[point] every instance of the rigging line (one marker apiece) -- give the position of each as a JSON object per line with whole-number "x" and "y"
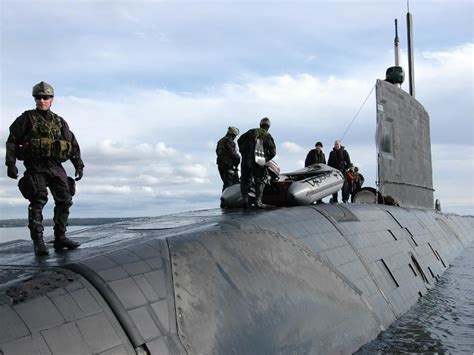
{"x": 360, "y": 109}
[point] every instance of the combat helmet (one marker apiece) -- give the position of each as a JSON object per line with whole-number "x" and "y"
{"x": 233, "y": 130}
{"x": 265, "y": 122}
{"x": 43, "y": 88}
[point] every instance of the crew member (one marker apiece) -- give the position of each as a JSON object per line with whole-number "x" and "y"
{"x": 43, "y": 141}
{"x": 228, "y": 159}
{"x": 257, "y": 147}
{"x": 357, "y": 182}
{"x": 339, "y": 159}
{"x": 315, "y": 156}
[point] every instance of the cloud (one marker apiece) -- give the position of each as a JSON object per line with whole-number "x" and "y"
{"x": 448, "y": 72}
{"x": 105, "y": 189}
{"x": 149, "y": 180}
{"x": 195, "y": 171}
{"x": 148, "y": 92}
{"x": 288, "y": 100}
{"x": 292, "y": 148}
{"x": 108, "y": 150}
{"x": 14, "y": 202}
{"x": 301, "y": 106}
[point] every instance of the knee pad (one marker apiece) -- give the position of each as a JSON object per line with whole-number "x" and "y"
{"x": 28, "y": 187}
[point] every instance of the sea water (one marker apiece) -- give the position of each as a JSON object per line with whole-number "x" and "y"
{"x": 442, "y": 321}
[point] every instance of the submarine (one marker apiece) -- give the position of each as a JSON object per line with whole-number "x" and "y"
{"x": 315, "y": 279}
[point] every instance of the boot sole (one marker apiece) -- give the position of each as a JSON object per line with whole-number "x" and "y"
{"x": 65, "y": 249}
{"x": 42, "y": 254}
{"x": 62, "y": 247}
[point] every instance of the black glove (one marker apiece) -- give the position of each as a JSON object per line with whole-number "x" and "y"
{"x": 12, "y": 171}
{"x": 79, "y": 173}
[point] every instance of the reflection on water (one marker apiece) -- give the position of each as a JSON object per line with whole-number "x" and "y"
{"x": 443, "y": 320}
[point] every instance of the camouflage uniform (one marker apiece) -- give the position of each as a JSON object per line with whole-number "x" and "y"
{"x": 228, "y": 159}
{"x": 43, "y": 141}
{"x": 357, "y": 182}
{"x": 251, "y": 171}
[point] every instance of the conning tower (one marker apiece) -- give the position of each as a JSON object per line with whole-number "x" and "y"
{"x": 403, "y": 137}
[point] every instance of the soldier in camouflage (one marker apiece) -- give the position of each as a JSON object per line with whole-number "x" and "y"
{"x": 251, "y": 170}
{"x": 43, "y": 141}
{"x": 228, "y": 159}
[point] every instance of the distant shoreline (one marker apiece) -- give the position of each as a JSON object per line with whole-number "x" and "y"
{"x": 9, "y": 223}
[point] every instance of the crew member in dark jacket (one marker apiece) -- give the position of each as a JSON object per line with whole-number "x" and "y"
{"x": 251, "y": 153}
{"x": 228, "y": 159}
{"x": 43, "y": 141}
{"x": 315, "y": 156}
{"x": 339, "y": 159}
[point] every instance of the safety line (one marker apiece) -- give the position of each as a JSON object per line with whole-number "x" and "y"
{"x": 360, "y": 109}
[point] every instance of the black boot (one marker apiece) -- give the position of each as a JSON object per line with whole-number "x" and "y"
{"x": 245, "y": 201}
{"x": 35, "y": 225}
{"x": 260, "y": 204}
{"x": 61, "y": 242}
{"x": 39, "y": 246}
{"x": 259, "y": 195}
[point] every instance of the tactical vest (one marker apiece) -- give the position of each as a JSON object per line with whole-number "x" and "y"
{"x": 220, "y": 151}
{"x": 225, "y": 156}
{"x": 45, "y": 139}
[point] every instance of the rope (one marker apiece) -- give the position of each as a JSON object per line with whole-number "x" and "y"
{"x": 360, "y": 109}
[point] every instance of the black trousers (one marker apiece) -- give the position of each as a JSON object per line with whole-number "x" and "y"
{"x": 344, "y": 191}
{"x": 228, "y": 175}
{"x": 251, "y": 172}
{"x": 34, "y": 188}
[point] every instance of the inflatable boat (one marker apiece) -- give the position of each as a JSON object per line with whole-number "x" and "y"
{"x": 301, "y": 187}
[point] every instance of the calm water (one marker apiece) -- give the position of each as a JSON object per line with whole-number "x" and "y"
{"x": 443, "y": 320}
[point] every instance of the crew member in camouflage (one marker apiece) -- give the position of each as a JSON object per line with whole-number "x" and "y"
{"x": 228, "y": 159}
{"x": 43, "y": 141}
{"x": 251, "y": 171}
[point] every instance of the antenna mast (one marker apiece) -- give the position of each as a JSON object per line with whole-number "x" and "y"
{"x": 396, "y": 45}
{"x": 411, "y": 66}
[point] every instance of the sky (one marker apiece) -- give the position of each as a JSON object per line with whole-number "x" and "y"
{"x": 149, "y": 87}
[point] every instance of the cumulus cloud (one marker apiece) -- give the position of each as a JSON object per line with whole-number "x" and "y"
{"x": 107, "y": 150}
{"x": 195, "y": 171}
{"x": 453, "y": 63}
{"x": 105, "y": 189}
{"x": 14, "y": 202}
{"x": 292, "y": 148}
{"x": 149, "y": 99}
{"x": 178, "y": 119}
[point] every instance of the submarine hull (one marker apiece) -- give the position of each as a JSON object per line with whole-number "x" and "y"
{"x": 315, "y": 279}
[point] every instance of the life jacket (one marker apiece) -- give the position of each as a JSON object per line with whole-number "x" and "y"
{"x": 45, "y": 139}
